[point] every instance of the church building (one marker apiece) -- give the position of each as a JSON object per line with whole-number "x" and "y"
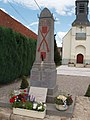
{"x": 76, "y": 43}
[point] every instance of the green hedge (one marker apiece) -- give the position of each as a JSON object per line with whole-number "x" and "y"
{"x": 17, "y": 54}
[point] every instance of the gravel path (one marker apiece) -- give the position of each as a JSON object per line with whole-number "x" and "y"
{"x": 6, "y": 90}
{"x": 73, "y": 80}
{"x": 76, "y": 85}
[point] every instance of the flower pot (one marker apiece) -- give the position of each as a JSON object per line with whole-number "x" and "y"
{"x": 61, "y": 107}
{"x": 29, "y": 113}
{"x": 71, "y": 65}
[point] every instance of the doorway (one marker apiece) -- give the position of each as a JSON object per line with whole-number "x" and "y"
{"x": 80, "y": 58}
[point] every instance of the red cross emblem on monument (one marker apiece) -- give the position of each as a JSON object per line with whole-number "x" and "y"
{"x": 44, "y": 31}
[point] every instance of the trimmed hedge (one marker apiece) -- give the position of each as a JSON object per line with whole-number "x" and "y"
{"x": 17, "y": 54}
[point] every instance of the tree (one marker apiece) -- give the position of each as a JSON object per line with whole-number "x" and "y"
{"x": 56, "y": 53}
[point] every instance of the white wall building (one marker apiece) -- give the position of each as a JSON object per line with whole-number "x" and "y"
{"x": 76, "y": 43}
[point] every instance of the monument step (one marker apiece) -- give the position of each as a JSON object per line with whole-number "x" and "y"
{"x": 50, "y": 98}
{"x": 51, "y": 110}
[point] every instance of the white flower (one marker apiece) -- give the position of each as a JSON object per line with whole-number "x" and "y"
{"x": 34, "y": 105}
{"x": 16, "y": 92}
{"x": 40, "y": 103}
{"x": 40, "y": 107}
{"x": 62, "y": 97}
{"x": 44, "y": 105}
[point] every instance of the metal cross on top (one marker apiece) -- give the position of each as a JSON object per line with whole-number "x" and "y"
{"x": 44, "y": 31}
{"x": 81, "y": 28}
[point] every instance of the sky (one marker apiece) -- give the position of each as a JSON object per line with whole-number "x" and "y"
{"x": 28, "y": 11}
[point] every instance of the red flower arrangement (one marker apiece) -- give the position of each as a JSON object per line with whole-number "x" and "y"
{"x": 22, "y": 99}
{"x": 12, "y": 100}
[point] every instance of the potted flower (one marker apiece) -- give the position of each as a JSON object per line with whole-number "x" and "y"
{"x": 62, "y": 102}
{"x": 71, "y": 64}
{"x": 24, "y": 104}
{"x": 87, "y": 65}
{"x": 24, "y": 86}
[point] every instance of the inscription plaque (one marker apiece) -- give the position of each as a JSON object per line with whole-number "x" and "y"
{"x": 39, "y": 93}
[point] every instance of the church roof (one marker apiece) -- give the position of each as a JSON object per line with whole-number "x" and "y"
{"x": 83, "y": 0}
{"x": 81, "y": 13}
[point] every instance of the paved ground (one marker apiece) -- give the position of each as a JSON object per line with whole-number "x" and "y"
{"x": 73, "y": 71}
{"x": 76, "y": 85}
{"x": 73, "y": 80}
{"x": 69, "y": 80}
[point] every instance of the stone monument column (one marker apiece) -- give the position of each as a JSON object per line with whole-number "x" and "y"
{"x": 43, "y": 73}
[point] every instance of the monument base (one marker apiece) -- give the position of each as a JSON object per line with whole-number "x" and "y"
{"x": 52, "y": 93}
{"x": 44, "y": 75}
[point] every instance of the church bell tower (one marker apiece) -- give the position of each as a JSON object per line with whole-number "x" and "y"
{"x": 81, "y": 13}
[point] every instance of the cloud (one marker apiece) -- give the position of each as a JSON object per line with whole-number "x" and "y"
{"x": 59, "y": 37}
{"x": 27, "y": 3}
{"x": 57, "y": 20}
{"x": 5, "y": 1}
{"x": 61, "y": 7}
{"x": 33, "y": 27}
{"x": 34, "y": 23}
{"x": 34, "y": 30}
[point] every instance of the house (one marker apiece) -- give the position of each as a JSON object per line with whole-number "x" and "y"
{"x": 9, "y": 22}
{"x": 76, "y": 43}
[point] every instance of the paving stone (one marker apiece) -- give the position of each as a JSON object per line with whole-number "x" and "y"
{"x": 82, "y": 108}
{"x": 5, "y": 114}
{"x": 18, "y": 117}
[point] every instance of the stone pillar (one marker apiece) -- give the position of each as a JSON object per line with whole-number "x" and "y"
{"x": 43, "y": 73}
